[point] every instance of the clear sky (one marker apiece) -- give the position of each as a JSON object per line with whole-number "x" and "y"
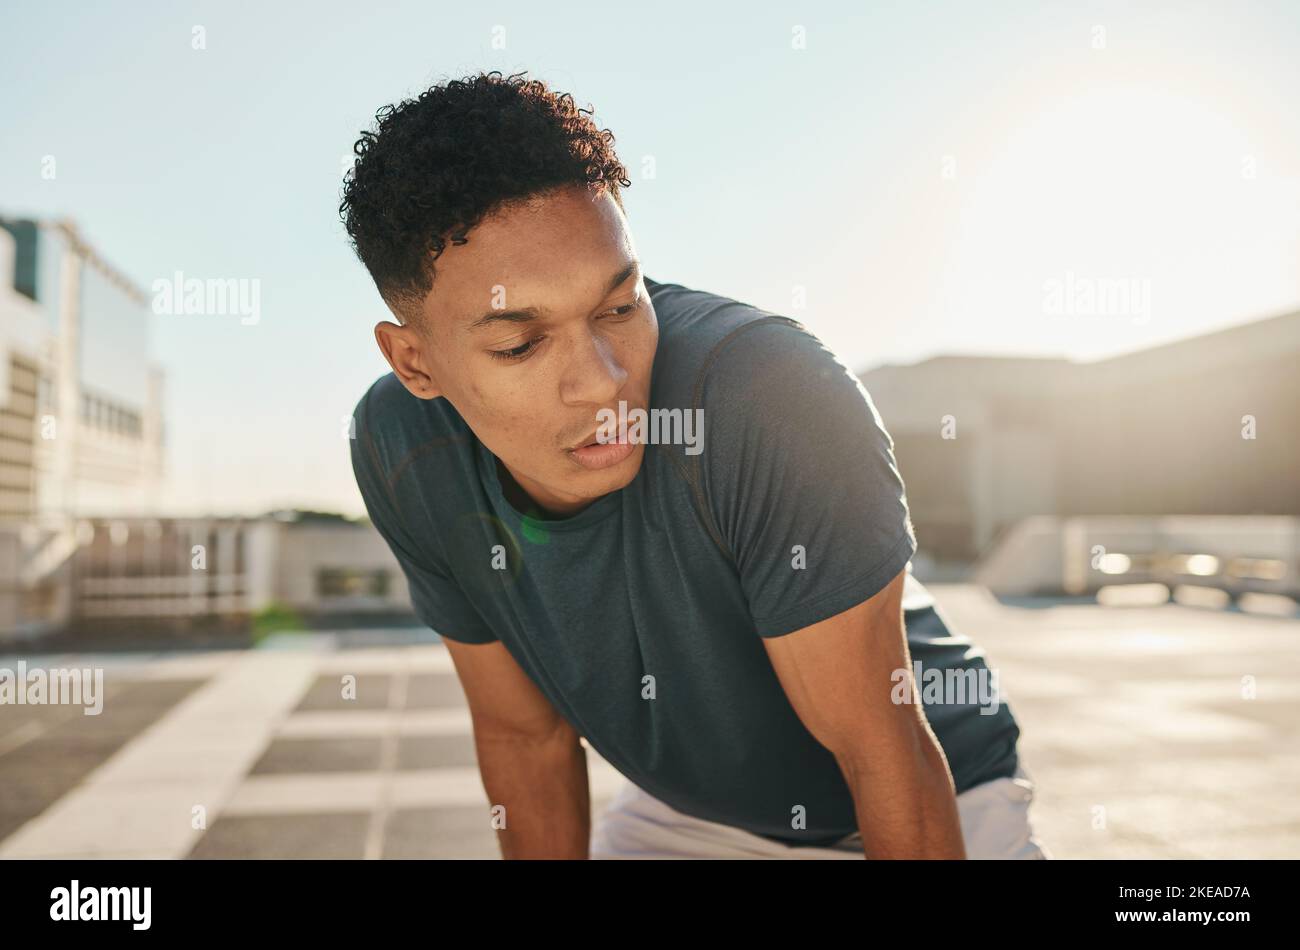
{"x": 926, "y": 173}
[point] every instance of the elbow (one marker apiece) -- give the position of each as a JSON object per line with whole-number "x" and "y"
{"x": 555, "y": 733}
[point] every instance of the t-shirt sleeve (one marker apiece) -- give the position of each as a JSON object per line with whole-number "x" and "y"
{"x": 800, "y": 478}
{"x": 436, "y": 598}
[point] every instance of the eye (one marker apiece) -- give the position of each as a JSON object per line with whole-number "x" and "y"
{"x": 517, "y": 352}
{"x": 622, "y": 311}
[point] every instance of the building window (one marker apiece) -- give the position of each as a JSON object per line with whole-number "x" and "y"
{"x": 45, "y": 395}
{"x": 349, "y": 582}
{"x": 109, "y": 416}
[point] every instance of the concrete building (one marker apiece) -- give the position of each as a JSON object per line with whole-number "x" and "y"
{"x": 81, "y": 429}
{"x": 173, "y": 578}
{"x": 324, "y": 567}
{"x": 1202, "y": 427}
{"x": 82, "y": 546}
{"x": 82, "y": 399}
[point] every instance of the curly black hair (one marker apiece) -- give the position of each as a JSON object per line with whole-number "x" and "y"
{"x": 436, "y": 165}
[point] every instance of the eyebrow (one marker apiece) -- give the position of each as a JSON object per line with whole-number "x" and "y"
{"x": 527, "y": 314}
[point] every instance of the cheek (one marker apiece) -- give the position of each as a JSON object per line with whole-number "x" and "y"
{"x": 646, "y": 343}
{"x": 513, "y": 413}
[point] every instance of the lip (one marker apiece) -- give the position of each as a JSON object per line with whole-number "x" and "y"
{"x": 590, "y": 439}
{"x": 602, "y": 455}
{"x": 594, "y": 434}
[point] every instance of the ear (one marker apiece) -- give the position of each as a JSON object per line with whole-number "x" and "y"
{"x": 402, "y": 346}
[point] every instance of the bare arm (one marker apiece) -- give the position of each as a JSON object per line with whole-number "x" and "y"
{"x": 530, "y": 758}
{"x": 839, "y": 676}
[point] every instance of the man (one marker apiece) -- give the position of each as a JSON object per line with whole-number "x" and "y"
{"x": 718, "y": 601}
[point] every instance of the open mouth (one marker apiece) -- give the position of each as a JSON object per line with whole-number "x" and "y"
{"x": 616, "y": 439}
{"x": 595, "y": 455}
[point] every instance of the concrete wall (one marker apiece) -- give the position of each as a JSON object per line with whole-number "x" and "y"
{"x": 1159, "y": 432}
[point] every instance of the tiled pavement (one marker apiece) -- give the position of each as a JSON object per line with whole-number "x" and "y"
{"x": 253, "y": 754}
{"x": 1133, "y": 724}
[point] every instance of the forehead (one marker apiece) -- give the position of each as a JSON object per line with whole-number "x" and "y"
{"x": 549, "y": 249}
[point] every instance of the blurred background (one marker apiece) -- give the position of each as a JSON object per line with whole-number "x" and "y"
{"x": 1060, "y": 247}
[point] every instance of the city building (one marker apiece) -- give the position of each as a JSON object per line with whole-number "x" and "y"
{"x": 82, "y": 546}
{"x": 1200, "y": 428}
{"x": 81, "y": 428}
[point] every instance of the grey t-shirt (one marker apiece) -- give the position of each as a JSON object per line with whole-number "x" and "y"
{"x": 640, "y": 617}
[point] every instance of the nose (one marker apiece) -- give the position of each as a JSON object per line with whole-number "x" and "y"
{"x": 593, "y": 375}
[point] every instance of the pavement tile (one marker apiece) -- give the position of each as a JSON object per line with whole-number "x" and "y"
{"x": 438, "y": 751}
{"x": 370, "y": 691}
{"x": 324, "y": 836}
{"x": 39, "y": 772}
{"x": 453, "y": 832}
{"x": 434, "y": 691}
{"x": 296, "y": 756}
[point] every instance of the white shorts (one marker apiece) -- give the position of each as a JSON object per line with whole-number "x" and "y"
{"x": 994, "y": 816}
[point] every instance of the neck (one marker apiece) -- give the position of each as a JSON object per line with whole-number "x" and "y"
{"x": 524, "y": 502}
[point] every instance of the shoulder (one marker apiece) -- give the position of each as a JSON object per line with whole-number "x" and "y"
{"x": 772, "y": 363}
{"x": 739, "y": 360}
{"x": 707, "y": 340}
{"x": 770, "y": 394}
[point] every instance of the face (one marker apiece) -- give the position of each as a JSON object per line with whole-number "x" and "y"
{"x": 532, "y": 327}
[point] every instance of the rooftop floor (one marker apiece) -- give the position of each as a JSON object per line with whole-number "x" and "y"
{"x": 1135, "y": 726}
